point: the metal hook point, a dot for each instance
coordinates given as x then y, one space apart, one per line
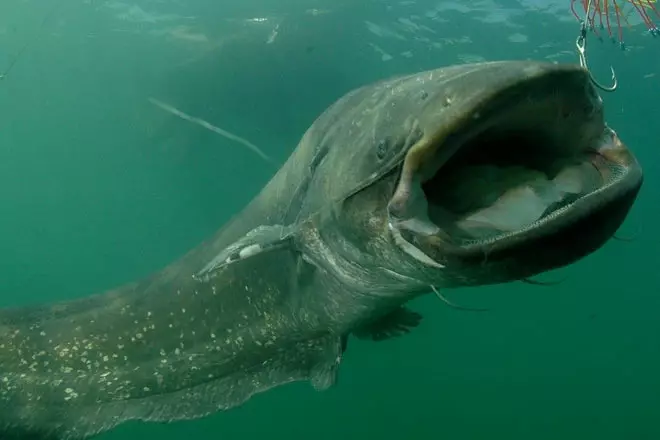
615 82
581 45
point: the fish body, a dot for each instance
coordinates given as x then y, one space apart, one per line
461 176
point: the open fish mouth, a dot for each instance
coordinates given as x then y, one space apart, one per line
525 162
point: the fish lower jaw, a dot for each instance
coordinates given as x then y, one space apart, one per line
506 192
485 204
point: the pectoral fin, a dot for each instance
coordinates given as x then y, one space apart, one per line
397 323
262 239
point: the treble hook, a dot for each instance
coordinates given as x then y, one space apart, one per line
581 45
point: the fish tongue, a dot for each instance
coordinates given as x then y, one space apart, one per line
521 195
578 179
532 196
473 188
517 208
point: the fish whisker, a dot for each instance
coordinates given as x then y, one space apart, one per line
455 306
542 283
628 239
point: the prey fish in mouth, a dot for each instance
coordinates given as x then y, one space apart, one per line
466 175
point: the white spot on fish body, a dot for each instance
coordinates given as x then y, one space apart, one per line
249 251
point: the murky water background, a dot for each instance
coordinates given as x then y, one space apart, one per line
99 186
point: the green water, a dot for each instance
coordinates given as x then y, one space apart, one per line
98 187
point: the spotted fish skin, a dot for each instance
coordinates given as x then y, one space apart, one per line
158 351
272 297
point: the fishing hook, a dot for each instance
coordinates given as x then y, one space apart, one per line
581 45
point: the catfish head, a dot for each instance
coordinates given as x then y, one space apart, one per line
476 174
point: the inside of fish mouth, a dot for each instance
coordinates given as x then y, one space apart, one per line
507 179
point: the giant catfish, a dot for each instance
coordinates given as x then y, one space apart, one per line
462 176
